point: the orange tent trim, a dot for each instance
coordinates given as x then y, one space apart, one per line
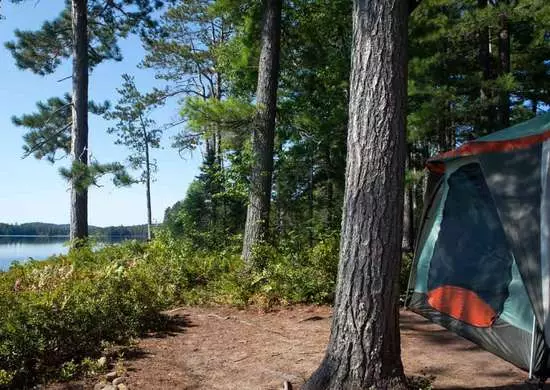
435 164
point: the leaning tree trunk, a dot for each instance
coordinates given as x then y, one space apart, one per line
257 215
364 346
79 131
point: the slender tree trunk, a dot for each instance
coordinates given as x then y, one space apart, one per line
504 65
257 215
408 214
148 187
364 347
487 124
79 131
311 210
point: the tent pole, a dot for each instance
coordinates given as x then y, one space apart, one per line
405 304
532 349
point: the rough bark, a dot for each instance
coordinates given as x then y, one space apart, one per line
504 68
79 131
257 215
364 346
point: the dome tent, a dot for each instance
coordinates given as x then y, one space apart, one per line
482 262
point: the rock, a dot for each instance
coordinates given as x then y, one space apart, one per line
122 386
102 362
99 386
118 381
111 375
109 387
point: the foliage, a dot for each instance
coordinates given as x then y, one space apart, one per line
62 310
43 50
58 314
50 127
134 127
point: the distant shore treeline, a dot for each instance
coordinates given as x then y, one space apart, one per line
50 229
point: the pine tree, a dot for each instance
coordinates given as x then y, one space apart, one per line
86 31
263 130
136 130
364 346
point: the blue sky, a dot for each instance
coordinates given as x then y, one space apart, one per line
32 190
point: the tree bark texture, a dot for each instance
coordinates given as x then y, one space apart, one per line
364 347
79 130
257 215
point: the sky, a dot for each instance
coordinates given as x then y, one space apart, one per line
32 190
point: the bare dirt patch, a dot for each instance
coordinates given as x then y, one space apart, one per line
226 348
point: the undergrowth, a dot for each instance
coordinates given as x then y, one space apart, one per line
58 315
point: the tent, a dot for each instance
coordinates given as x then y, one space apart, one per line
482 262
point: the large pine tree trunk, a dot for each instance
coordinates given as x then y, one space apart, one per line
364 346
257 215
79 131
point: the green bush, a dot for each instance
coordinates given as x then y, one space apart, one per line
59 311
58 314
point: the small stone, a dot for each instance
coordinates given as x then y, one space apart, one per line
99 386
111 375
118 381
102 362
122 386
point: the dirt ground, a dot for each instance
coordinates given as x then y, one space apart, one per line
226 348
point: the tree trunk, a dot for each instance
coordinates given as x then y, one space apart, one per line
148 189
79 131
257 215
364 347
408 214
504 65
310 203
487 124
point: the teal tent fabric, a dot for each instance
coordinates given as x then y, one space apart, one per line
481 267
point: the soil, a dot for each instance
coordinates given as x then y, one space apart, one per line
226 348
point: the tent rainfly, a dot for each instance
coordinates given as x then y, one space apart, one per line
482 262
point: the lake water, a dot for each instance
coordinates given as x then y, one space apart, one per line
22 248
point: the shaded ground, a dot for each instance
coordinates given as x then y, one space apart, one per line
226 348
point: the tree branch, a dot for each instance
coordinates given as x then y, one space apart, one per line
413 4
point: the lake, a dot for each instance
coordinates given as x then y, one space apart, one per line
36 247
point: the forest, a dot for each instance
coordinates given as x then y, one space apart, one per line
49 229
312 153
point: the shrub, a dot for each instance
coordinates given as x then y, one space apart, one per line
59 311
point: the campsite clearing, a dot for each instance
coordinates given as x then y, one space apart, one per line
226 348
